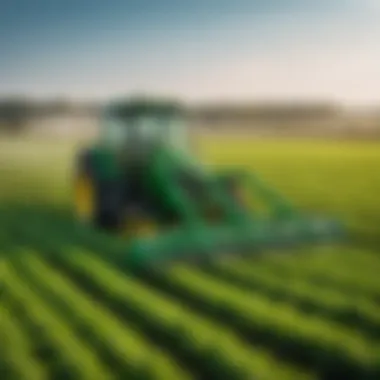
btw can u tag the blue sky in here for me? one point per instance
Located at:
(198, 49)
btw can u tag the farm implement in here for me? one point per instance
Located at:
(140, 179)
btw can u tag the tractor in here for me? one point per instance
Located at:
(140, 179)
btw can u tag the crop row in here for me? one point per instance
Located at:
(321, 257)
(351, 265)
(17, 359)
(201, 335)
(359, 280)
(54, 342)
(325, 257)
(354, 311)
(89, 332)
(306, 340)
(298, 284)
(215, 348)
(319, 343)
(325, 347)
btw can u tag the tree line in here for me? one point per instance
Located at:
(16, 112)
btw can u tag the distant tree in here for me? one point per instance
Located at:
(14, 114)
(265, 112)
(58, 106)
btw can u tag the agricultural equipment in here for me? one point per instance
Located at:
(140, 179)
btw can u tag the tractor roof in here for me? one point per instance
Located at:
(144, 107)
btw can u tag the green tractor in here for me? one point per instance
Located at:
(140, 179)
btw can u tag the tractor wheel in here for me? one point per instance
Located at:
(97, 203)
(85, 198)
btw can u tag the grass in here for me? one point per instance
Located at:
(68, 311)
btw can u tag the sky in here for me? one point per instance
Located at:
(240, 50)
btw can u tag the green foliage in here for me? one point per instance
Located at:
(246, 310)
(67, 311)
(48, 329)
(211, 344)
(143, 106)
(16, 359)
(14, 114)
(83, 311)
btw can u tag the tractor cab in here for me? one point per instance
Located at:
(136, 127)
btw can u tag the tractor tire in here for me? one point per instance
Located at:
(97, 202)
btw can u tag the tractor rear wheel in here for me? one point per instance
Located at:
(97, 202)
(84, 198)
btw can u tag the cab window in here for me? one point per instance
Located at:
(114, 132)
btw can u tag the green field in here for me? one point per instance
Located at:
(67, 311)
